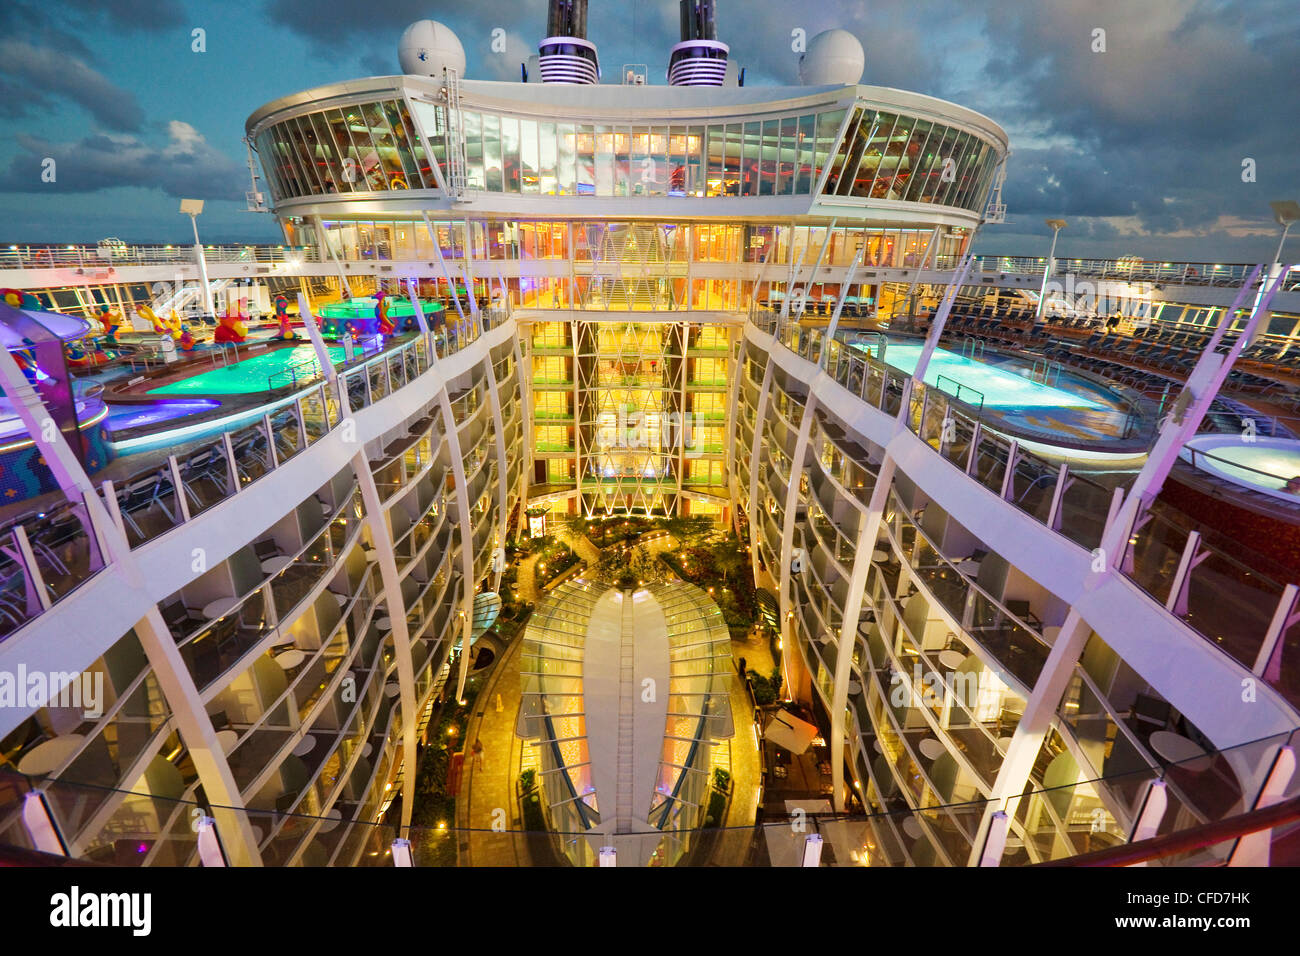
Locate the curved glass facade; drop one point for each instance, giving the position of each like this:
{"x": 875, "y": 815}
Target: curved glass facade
{"x": 365, "y": 147}
{"x": 375, "y": 147}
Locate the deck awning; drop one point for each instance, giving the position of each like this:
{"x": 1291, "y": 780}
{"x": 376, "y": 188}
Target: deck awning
{"x": 788, "y": 731}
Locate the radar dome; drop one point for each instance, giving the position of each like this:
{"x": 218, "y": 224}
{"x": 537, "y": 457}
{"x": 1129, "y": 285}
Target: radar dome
{"x": 428, "y": 47}
{"x": 833, "y": 58}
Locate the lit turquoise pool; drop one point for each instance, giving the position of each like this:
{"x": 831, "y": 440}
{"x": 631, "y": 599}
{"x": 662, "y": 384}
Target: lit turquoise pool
{"x": 1001, "y": 385}
{"x": 274, "y": 369}
{"x": 1261, "y": 463}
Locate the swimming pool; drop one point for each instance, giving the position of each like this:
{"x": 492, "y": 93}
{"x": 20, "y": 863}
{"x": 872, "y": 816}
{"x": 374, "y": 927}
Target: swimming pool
{"x": 124, "y": 417}
{"x": 364, "y": 308}
{"x": 1264, "y": 464}
{"x": 261, "y": 373}
{"x": 1001, "y": 385}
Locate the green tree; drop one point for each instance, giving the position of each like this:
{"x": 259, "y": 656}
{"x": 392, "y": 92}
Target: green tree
{"x": 575, "y": 525}
{"x": 689, "y": 529}
{"x": 729, "y": 560}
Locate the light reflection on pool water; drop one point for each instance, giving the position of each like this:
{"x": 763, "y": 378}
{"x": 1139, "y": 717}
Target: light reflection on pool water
{"x": 1000, "y": 386}
{"x": 1266, "y": 464}
{"x": 257, "y": 374}
{"x": 122, "y": 417}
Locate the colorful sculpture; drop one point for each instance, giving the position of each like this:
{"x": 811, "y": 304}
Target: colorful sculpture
{"x": 286, "y": 334}
{"x": 20, "y": 299}
{"x": 111, "y": 321}
{"x": 386, "y": 326}
{"x": 230, "y": 329}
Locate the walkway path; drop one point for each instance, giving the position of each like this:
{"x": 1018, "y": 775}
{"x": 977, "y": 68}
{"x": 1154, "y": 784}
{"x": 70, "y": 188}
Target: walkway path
{"x": 582, "y": 547}
{"x": 526, "y": 579}
{"x": 487, "y": 789}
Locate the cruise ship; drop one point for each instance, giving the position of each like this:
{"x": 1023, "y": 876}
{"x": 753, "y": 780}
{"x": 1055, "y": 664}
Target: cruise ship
{"x": 630, "y": 466}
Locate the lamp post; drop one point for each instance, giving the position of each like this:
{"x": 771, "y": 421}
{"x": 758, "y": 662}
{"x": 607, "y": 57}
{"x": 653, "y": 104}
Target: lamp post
{"x": 1287, "y": 213}
{"x": 193, "y": 208}
{"x": 1056, "y": 226}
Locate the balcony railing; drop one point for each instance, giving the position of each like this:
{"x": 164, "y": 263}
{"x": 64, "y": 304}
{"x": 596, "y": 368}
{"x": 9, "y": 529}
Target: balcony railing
{"x": 46, "y": 555}
{"x": 1237, "y": 608}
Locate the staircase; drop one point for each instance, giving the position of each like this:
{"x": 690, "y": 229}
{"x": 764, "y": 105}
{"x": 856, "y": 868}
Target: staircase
{"x": 630, "y": 268}
{"x": 187, "y": 295}
{"x": 627, "y": 698}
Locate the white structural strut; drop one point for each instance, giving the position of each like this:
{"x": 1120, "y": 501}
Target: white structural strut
{"x": 173, "y": 676}
{"x": 790, "y": 506}
{"x": 382, "y": 541}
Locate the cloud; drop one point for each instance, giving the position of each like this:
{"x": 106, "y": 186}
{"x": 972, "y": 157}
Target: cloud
{"x": 34, "y": 74}
{"x": 133, "y": 14}
{"x": 185, "y": 166}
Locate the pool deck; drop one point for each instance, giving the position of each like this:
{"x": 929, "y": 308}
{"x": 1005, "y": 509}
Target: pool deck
{"x": 1098, "y": 428}
{"x": 137, "y": 389}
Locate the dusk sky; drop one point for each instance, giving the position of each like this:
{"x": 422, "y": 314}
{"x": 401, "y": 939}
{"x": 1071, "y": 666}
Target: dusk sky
{"x": 1139, "y": 147}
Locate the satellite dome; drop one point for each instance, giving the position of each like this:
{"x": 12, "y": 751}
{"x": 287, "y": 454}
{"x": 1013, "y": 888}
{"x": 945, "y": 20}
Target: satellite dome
{"x": 428, "y": 47}
{"x": 833, "y": 58}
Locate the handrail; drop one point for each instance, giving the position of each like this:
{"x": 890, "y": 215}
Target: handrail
{"x": 1197, "y": 838}
{"x": 957, "y": 394}
{"x": 435, "y": 343}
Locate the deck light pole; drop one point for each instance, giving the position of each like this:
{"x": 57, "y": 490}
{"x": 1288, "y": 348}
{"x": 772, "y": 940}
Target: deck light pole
{"x": 194, "y": 208}
{"x": 1287, "y": 213}
{"x": 1056, "y": 226}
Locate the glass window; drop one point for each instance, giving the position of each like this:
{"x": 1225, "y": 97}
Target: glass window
{"x": 910, "y": 138}
{"x": 987, "y": 174}
{"x": 860, "y": 167}
{"x": 695, "y": 161}
{"x": 289, "y": 170}
{"x": 474, "y": 174}
{"x": 409, "y": 146}
{"x": 370, "y": 172}
{"x": 828, "y": 129}
{"x": 390, "y": 166}
{"x": 732, "y": 174}
{"x": 624, "y": 173}
{"x": 604, "y": 161}
{"x": 433, "y": 122}
{"x": 972, "y": 197}
{"x": 567, "y": 168}
{"x": 266, "y": 153}
{"x": 750, "y": 160}
{"x": 918, "y": 161}
{"x": 291, "y": 149}
{"x": 660, "y": 165}
{"x": 967, "y": 173}
{"x": 882, "y": 156}
{"x": 586, "y": 159}
{"x": 677, "y": 182}
{"x": 350, "y": 178}
{"x": 327, "y": 154}
{"x": 842, "y": 153}
{"x": 715, "y": 151}
{"x": 494, "y": 181}
{"x": 769, "y": 157}
{"x": 547, "y": 176}
{"x": 510, "y": 153}
{"x": 805, "y": 163}
{"x": 952, "y": 172}
{"x": 934, "y": 177}
{"x": 788, "y": 157}
{"x": 312, "y": 155}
